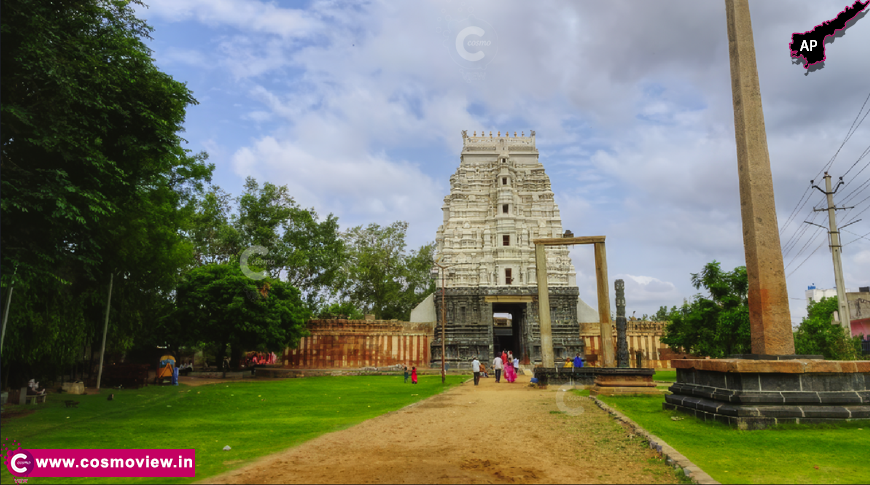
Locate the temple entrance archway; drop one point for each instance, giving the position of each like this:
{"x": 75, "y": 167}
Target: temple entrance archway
{"x": 508, "y": 329}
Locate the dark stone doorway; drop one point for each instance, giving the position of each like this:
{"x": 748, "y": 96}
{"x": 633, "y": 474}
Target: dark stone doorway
{"x": 511, "y": 336}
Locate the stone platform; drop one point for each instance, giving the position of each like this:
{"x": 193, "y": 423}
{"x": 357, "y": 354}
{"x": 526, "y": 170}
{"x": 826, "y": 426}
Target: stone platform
{"x": 559, "y": 376}
{"x": 600, "y": 380}
{"x": 755, "y": 394}
{"x": 623, "y": 382}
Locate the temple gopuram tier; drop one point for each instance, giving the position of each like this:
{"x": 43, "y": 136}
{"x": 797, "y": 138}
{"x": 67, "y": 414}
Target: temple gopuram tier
{"x": 500, "y": 200}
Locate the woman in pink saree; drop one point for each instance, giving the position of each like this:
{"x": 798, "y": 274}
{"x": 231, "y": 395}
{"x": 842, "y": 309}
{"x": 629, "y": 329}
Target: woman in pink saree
{"x": 509, "y": 372}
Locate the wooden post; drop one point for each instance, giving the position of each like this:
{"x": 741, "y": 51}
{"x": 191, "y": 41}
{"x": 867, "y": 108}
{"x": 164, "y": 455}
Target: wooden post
{"x": 604, "y": 304}
{"x": 544, "y": 307}
{"x": 106, "y": 330}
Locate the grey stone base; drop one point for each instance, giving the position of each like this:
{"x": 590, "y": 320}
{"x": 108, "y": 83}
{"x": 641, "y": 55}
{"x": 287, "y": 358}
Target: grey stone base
{"x": 583, "y": 376}
{"x": 756, "y": 422}
{"x": 759, "y": 400}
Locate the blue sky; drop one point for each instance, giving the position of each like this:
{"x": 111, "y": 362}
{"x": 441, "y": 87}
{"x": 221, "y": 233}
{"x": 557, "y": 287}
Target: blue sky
{"x": 358, "y": 108}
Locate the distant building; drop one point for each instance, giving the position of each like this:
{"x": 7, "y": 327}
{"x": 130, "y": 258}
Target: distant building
{"x": 859, "y": 306}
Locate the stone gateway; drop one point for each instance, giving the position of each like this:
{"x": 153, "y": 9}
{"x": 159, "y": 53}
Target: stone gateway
{"x": 500, "y": 200}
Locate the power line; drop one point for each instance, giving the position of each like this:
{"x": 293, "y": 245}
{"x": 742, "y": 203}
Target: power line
{"x": 801, "y": 231}
{"x": 812, "y": 240}
{"x": 798, "y": 234}
{"x": 808, "y": 257}
{"x": 859, "y": 237}
{"x": 852, "y": 128}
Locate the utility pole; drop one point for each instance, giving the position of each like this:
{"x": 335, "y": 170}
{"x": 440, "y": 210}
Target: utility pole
{"x": 443, "y": 324}
{"x": 836, "y": 248}
{"x": 443, "y": 318}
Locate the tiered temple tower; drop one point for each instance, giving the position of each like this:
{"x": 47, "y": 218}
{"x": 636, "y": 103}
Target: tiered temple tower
{"x": 500, "y": 200}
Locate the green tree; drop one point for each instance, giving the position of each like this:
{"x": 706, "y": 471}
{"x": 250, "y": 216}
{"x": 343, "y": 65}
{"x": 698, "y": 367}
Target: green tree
{"x": 715, "y": 326}
{"x": 95, "y": 179}
{"x": 381, "y": 277}
{"x": 214, "y": 238}
{"x": 663, "y": 314}
{"x": 89, "y": 125}
{"x": 217, "y": 304}
{"x": 817, "y": 335}
{"x": 302, "y": 249}
{"x": 345, "y": 309}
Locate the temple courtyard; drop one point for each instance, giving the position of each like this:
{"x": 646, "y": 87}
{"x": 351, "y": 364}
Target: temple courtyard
{"x": 378, "y": 429}
{"x": 491, "y": 433}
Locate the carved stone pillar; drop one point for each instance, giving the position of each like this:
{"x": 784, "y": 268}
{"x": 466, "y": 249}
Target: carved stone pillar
{"x": 621, "y": 326}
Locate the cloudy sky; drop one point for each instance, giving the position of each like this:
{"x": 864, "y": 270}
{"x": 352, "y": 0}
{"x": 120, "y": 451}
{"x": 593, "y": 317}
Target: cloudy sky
{"x": 358, "y": 108}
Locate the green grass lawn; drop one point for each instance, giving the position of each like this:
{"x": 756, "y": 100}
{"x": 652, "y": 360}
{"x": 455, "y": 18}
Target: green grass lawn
{"x": 788, "y": 454}
{"x": 666, "y": 375}
{"x": 253, "y": 418}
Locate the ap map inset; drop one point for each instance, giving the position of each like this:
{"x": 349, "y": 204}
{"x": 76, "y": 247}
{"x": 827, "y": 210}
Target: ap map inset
{"x": 810, "y": 46}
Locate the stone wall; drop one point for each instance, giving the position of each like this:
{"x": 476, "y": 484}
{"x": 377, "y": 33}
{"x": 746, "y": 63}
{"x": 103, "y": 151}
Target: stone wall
{"x": 643, "y": 337}
{"x": 469, "y": 332}
{"x": 361, "y": 343}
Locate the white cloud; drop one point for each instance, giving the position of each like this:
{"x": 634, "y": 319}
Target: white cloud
{"x": 358, "y": 109}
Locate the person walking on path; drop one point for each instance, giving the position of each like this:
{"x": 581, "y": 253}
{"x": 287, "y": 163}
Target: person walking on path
{"x": 516, "y": 364}
{"x": 497, "y": 366}
{"x": 475, "y": 368}
{"x": 578, "y": 362}
{"x": 509, "y": 372}
{"x": 413, "y": 375}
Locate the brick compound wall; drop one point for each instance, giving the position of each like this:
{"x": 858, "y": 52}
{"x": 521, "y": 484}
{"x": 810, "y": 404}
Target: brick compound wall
{"x": 643, "y": 337}
{"x": 335, "y": 344}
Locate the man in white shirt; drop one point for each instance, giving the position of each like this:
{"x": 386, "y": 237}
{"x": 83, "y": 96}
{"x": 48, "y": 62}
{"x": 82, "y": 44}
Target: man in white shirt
{"x": 497, "y": 365}
{"x": 475, "y": 367}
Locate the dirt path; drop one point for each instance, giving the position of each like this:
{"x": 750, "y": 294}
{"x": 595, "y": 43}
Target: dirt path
{"x": 492, "y": 433}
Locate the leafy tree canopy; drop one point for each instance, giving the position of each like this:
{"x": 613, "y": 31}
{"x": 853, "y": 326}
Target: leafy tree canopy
{"x": 218, "y": 304}
{"x": 817, "y": 335}
{"x": 381, "y": 277}
{"x": 90, "y": 131}
{"x": 301, "y": 248}
{"x": 716, "y": 325}
{"x": 95, "y": 179}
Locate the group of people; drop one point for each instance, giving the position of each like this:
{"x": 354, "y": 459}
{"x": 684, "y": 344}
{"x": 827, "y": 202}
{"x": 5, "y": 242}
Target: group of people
{"x": 576, "y": 363}
{"x": 413, "y": 374}
{"x": 505, "y": 363}
{"x": 260, "y": 358}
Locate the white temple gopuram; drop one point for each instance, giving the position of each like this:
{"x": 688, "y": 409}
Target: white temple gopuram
{"x": 500, "y": 200}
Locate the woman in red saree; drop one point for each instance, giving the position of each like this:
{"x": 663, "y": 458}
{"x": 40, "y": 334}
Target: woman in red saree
{"x": 413, "y": 375}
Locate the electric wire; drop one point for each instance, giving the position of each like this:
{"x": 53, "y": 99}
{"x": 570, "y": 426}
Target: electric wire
{"x": 804, "y": 261}
{"x": 859, "y": 237}
{"x": 852, "y": 128}
{"x": 810, "y": 241}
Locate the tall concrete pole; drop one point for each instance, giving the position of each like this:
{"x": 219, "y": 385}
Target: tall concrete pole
{"x": 769, "y": 315}
{"x": 547, "y": 359}
{"x": 836, "y": 249}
